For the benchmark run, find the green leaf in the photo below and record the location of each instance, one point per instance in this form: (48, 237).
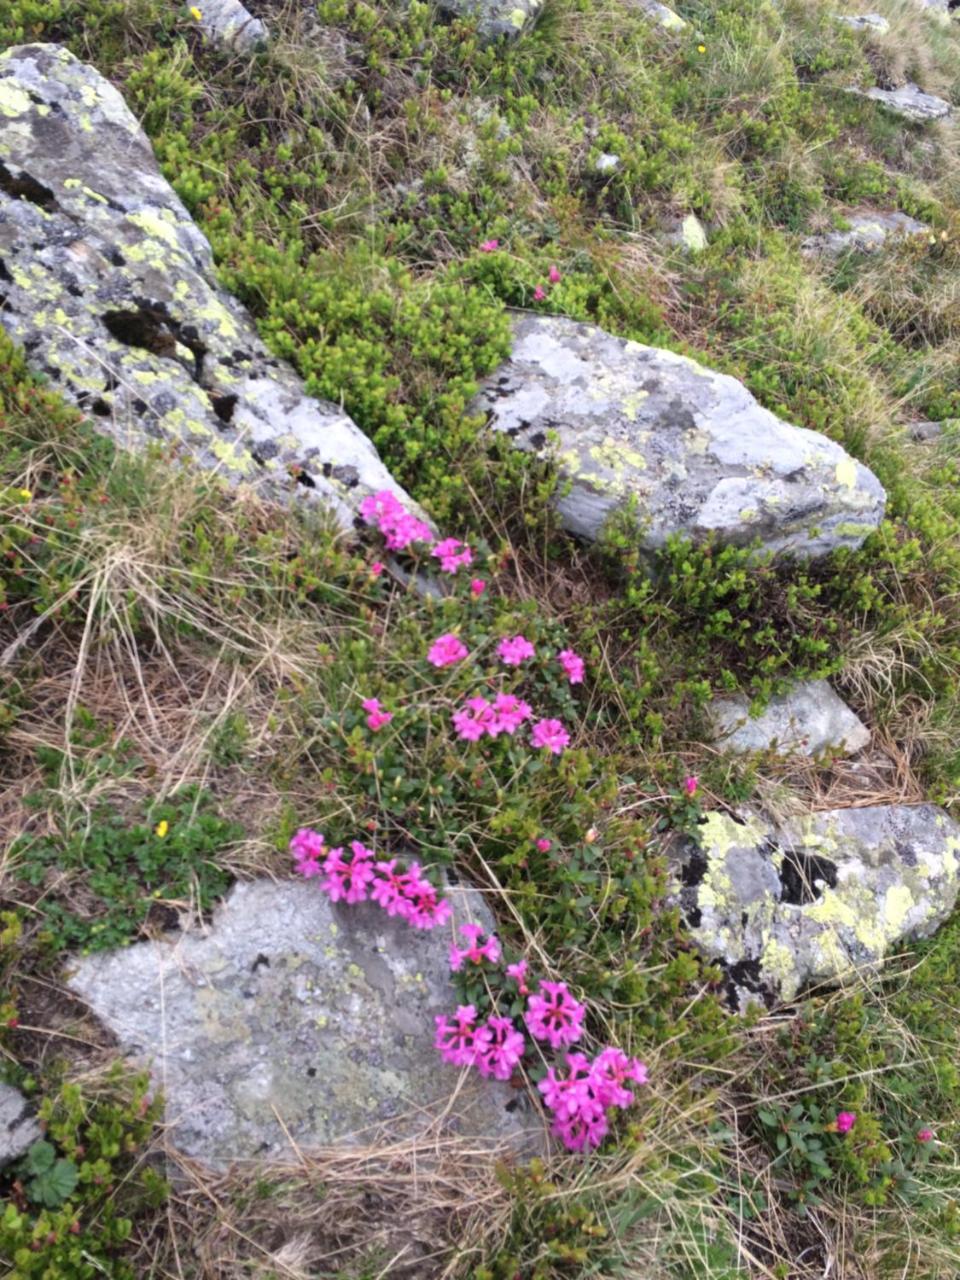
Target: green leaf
(39, 1158)
(52, 1187)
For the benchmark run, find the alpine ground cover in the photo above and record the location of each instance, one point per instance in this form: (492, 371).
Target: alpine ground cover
(378, 198)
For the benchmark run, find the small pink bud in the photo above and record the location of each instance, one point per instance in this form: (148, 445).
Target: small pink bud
(490, 246)
(477, 587)
(925, 1135)
(539, 293)
(845, 1121)
(544, 845)
(376, 569)
(554, 274)
(691, 784)
(591, 836)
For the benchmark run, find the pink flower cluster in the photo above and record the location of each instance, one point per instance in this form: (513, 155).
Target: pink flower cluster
(572, 665)
(446, 650)
(384, 510)
(404, 893)
(580, 1098)
(845, 1121)
(478, 717)
(376, 716)
(514, 650)
(452, 554)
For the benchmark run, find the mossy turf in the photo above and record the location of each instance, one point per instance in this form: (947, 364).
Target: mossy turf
(158, 635)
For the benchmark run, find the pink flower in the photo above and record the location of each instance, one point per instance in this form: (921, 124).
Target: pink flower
(554, 274)
(518, 972)
(474, 720)
(450, 555)
(554, 1015)
(308, 848)
(925, 1135)
(348, 880)
(611, 1069)
(384, 510)
(539, 293)
(446, 650)
(572, 664)
(514, 650)
(426, 909)
(376, 717)
(461, 1040)
(503, 1050)
(845, 1121)
(579, 1115)
(550, 734)
(477, 587)
(390, 889)
(510, 713)
(376, 569)
(690, 785)
(489, 246)
(474, 953)
(544, 845)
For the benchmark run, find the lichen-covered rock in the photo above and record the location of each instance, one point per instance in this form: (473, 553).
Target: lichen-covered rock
(294, 1018)
(690, 447)
(873, 22)
(496, 19)
(780, 907)
(909, 101)
(687, 233)
(18, 1129)
(229, 23)
(109, 286)
(806, 721)
(662, 15)
(867, 232)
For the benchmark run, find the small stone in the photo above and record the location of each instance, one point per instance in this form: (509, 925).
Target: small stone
(925, 432)
(689, 449)
(18, 1129)
(229, 23)
(873, 22)
(909, 101)
(806, 721)
(814, 899)
(496, 19)
(607, 162)
(687, 233)
(867, 232)
(296, 1018)
(662, 15)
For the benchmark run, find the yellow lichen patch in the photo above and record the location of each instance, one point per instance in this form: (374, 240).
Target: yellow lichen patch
(616, 455)
(896, 907)
(71, 184)
(13, 100)
(777, 961)
(832, 909)
(231, 455)
(718, 834)
(157, 224)
(94, 195)
(221, 317)
(846, 472)
(518, 18)
(631, 405)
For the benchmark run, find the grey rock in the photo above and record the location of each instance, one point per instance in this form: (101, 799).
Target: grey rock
(18, 1129)
(925, 432)
(110, 288)
(690, 447)
(294, 1016)
(687, 233)
(873, 22)
(867, 232)
(662, 15)
(909, 101)
(813, 900)
(806, 721)
(496, 19)
(229, 23)
(606, 162)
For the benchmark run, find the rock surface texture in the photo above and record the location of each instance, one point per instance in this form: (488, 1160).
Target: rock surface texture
(910, 102)
(228, 22)
(18, 1129)
(814, 899)
(873, 22)
(807, 721)
(496, 19)
(109, 286)
(868, 231)
(662, 15)
(687, 233)
(692, 448)
(294, 1016)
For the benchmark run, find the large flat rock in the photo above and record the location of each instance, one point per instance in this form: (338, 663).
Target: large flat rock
(807, 721)
(109, 286)
(866, 232)
(691, 448)
(18, 1129)
(813, 900)
(910, 102)
(294, 1019)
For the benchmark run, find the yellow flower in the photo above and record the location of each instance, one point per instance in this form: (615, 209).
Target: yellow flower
(162, 828)
(195, 13)
(701, 48)
(25, 494)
